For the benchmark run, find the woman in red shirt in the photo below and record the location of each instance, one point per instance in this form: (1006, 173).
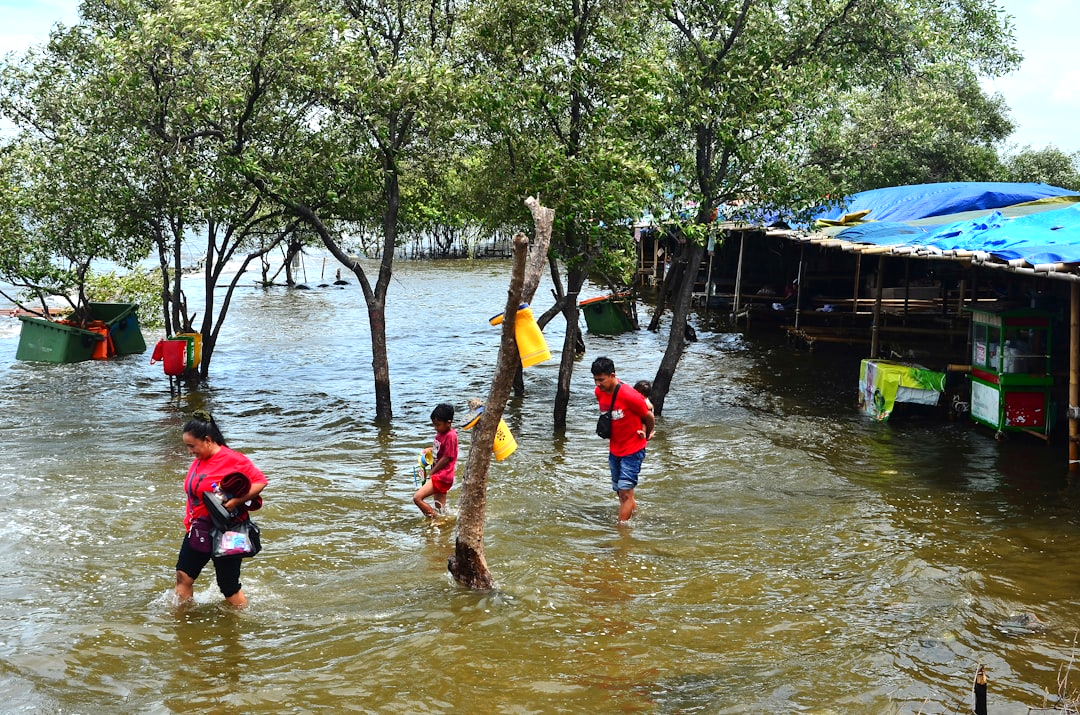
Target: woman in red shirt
(214, 461)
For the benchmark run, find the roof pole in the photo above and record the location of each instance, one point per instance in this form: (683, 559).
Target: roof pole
(798, 284)
(1074, 376)
(858, 267)
(738, 274)
(878, 286)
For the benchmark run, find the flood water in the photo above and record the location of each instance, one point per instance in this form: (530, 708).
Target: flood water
(788, 555)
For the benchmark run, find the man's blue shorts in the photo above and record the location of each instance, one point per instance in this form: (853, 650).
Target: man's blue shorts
(624, 470)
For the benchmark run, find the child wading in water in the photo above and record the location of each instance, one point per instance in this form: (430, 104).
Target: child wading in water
(444, 453)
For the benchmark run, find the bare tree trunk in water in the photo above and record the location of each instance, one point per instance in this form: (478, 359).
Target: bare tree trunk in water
(374, 296)
(574, 280)
(673, 278)
(677, 337)
(468, 565)
(557, 292)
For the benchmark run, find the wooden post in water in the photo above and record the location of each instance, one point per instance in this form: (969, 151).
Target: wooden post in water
(1074, 375)
(878, 287)
(738, 275)
(855, 298)
(710, 247)
(468, 565)
(798, 284)
(907, 285)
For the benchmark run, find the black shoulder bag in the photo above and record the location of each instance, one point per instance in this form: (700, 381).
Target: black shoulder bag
(603, 423)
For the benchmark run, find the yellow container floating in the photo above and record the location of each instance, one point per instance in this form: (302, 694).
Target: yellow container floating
(532, 348)
(504, 444)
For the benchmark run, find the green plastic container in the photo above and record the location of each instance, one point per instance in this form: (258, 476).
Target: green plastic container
(607, 315)
(123, 322)
(44, 341)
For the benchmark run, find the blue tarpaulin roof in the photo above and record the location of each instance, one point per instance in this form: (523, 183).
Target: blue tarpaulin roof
(907, 203)
(1038, 233)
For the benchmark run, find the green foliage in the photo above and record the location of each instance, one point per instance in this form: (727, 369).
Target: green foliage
(930, 129)
(51, 224)
(142, 287)
(559, 96)
(749, 81)
(373, 122)
(1048, 165)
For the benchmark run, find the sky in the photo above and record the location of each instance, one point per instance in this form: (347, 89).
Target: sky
(1043, 95)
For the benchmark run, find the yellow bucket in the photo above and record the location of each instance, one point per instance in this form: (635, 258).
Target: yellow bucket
(504, 444)
(532, 347)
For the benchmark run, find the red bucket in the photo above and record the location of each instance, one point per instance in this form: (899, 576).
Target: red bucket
(173, 353)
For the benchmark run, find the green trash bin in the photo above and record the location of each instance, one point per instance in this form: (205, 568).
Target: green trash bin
(46, 341)
(608, 314)
(123, 323)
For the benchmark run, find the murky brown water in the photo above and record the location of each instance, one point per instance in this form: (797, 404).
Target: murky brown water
(789, 554)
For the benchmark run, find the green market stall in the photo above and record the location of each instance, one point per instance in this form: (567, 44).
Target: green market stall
(1010, 370)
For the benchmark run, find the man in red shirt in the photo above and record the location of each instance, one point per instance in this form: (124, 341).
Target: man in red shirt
(632, 426)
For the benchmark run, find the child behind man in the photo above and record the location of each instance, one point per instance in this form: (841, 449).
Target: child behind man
(644, 387)
(444, 454)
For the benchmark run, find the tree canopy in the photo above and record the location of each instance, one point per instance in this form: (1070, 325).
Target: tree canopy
(1049, 165)
(929, 129)
(359, 122)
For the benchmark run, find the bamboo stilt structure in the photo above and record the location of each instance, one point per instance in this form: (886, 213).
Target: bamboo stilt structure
(876, 328)
(798, 285)
(1074, 376)
(858, 269)
(738, 274)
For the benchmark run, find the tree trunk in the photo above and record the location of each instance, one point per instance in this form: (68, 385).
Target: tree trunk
(380, 362)
(677, 335)
(374, 296)
(557, 292)
(543, 218)
(468, 565)
(673, 277)
(571, 313)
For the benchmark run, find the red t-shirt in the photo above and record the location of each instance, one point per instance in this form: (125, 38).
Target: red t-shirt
(446, 443)
(626, 418)
(204, 474)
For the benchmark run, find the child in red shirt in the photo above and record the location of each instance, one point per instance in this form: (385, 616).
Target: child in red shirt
(444, 453)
